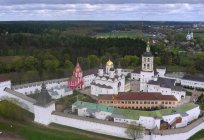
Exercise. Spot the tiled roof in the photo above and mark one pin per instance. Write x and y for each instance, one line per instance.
(147, 54)
(138, 96)
(193, 78)
(3, 79)
(90, 71)
(137, 70)
(44, 97)
(163, 82)
(135, 114)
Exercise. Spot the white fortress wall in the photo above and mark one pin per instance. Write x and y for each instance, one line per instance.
(30, 88)
(20, 99)
(180, 133)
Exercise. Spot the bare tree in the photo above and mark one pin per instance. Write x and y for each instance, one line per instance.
(135, 131)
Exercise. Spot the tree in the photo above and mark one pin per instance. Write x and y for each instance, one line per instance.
(130, 60)
(93, 61)
(18, 63)
(157, 61)
(69, 64)
(51, 65)
(135, 131)
(31, 63)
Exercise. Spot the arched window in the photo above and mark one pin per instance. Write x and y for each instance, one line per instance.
(148, 66)
(148, 59)
(119, 85)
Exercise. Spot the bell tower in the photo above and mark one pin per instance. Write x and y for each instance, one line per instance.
(147, 60)
(147, 72)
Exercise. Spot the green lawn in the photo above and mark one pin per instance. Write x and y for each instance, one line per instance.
(22, 125)
(198, 135)
(175, 68)
(31, 132)
(67, 101)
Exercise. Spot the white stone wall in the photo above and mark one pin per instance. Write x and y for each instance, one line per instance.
(145, 77)
(19, 101)
(193, 113)
(43, 114)
(193, 84)
(180, 136)
(161, 72)
(102, 115)
(135, 76)
(147, 122)
(61, 93)
(90, 126)
(88, 79)
(30, 88)
(3, 85)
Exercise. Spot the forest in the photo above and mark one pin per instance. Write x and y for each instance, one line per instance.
(32, 51)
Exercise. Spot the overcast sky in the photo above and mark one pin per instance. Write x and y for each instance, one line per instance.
(165, 10)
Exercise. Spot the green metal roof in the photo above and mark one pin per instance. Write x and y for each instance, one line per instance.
(135, 114)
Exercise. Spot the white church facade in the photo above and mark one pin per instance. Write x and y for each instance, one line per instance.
(108, 80)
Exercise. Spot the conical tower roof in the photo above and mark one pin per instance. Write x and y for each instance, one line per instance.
(44, 97)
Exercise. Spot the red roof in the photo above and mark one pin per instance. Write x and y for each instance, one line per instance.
(136, 70)
(137, 96)
(77, 69)
(3, 79)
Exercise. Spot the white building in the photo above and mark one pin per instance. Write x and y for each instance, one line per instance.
(147, 72)
(108, 81)
(155, 80)
(148, 119)
(166, 87)
(192, 82)
(189, 36)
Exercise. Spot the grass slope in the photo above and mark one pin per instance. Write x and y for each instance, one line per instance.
(31, 132)
(20, 120)
(198, 135)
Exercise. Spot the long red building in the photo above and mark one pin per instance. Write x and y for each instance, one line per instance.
(76, 81)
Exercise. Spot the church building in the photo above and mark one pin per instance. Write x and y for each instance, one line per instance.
(108, 80)
(76, 81)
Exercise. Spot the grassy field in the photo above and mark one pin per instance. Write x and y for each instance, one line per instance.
(199, 135)
(120, 34)
(8, 59)
(13, 120)
(34, 132)
(176, 68)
